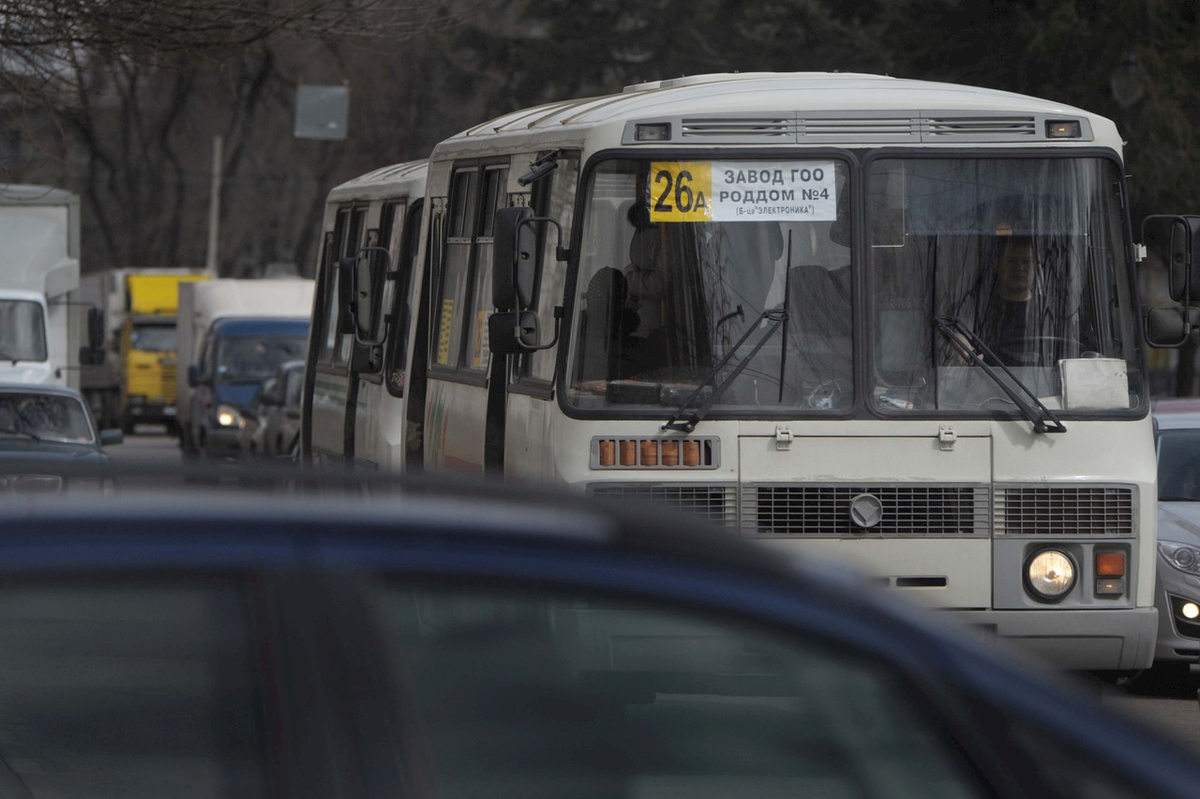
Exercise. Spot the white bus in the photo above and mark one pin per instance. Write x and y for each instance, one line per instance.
(354, 377)
(889, 321)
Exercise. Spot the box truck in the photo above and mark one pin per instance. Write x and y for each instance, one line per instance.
(46, 333)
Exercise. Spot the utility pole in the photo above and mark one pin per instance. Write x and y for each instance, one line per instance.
(214, 209)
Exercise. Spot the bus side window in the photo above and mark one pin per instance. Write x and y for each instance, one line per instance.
(401, 304)
(456, 259)
(336, 343)
(491, 198)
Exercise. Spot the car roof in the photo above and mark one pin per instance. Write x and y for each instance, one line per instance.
(39, 388)
(310, 503)
(247, 326)
(1177, 420)
(530, 536)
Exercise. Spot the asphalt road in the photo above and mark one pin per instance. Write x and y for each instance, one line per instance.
(1175, 715)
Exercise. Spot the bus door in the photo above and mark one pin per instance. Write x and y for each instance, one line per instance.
(456, 427)
(531, 407)
(333, 344)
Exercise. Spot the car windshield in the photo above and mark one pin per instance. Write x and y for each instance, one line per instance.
(1179, 465)
(154, 338)
(257, 357)
(44, 416)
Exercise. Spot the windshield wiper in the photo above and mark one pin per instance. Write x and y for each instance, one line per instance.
(1042, 418)
(777, 316)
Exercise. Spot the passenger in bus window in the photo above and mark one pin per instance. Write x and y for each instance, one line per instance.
(1008, 328)
(607, 325)
(1007, 323)
(646, 289)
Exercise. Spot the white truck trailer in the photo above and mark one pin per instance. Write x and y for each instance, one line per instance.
(201, 304)
(45, 332)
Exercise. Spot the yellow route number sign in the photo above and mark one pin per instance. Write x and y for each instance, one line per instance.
(733, 191)
(680, 191)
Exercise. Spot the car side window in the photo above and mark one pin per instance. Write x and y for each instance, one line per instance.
(129, 686)
(519, 693)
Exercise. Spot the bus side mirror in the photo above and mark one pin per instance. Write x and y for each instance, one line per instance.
(91, 356)
(513, 250)
(367, 274)
(95, 327)
(1173, 243)
(91, 353)
(1171, 327)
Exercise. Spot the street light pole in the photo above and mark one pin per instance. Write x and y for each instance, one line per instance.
(214, 209)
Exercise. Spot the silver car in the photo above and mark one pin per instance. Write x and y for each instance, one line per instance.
(1177, 594)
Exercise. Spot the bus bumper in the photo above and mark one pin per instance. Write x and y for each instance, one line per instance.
(1076, 640)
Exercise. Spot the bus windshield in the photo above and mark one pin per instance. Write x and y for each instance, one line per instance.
(666, 307)
(1024, 253)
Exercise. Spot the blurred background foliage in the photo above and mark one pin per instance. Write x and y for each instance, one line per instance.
(122, 105)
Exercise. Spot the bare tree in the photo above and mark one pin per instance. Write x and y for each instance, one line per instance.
(141, 28)
(121, 100)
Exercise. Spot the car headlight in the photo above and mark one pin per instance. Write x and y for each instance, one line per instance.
(1181, 556)
(30, 483)
(228, 416)
(1050, 574)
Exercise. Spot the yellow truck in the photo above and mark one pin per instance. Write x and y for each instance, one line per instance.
(147, 350)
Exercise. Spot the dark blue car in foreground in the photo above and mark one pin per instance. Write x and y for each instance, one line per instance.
(442, 640)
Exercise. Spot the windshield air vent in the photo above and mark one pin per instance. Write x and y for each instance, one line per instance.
(1008, 127)
(859, 128)
(765, 127)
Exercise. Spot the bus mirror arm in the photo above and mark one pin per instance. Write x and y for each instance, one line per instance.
(959, 335)
(558, 315)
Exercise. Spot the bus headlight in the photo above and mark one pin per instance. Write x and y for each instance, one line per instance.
(1050, 574)
(229, 417)
(1181, 556)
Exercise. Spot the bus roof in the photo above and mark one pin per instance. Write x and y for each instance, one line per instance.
(409, 176)
(780, 108)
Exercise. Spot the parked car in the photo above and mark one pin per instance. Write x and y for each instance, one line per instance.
(43, 426)
(1177, 594)
(457, 640)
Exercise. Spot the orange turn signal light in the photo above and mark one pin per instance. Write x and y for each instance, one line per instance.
(1110, 564)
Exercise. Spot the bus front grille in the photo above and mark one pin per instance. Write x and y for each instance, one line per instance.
(899, 510)
(1104, 510)
(714, 503)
